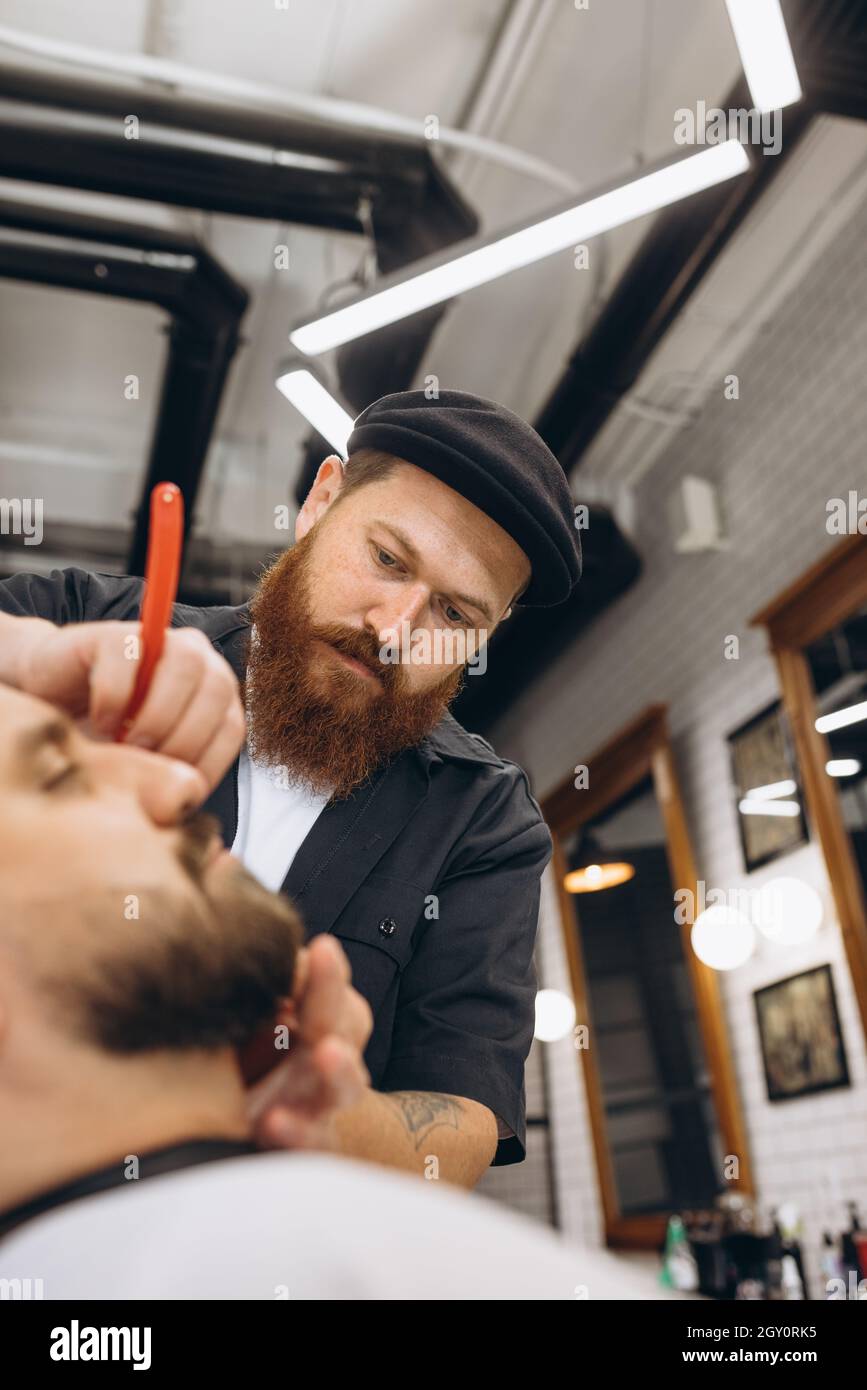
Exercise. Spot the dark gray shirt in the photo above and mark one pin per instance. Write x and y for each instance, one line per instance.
(428, 874)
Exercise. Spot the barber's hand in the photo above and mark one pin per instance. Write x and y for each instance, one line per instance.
(192, 710)
(329, 1024)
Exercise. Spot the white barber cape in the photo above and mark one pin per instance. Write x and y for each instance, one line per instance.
(303, 1226)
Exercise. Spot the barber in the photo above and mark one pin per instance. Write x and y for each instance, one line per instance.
(355, 792)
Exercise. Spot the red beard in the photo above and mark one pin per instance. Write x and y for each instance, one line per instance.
(317, 720)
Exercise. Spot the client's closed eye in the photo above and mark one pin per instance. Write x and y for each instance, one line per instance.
(72, 777)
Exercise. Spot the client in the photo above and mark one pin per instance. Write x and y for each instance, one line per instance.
(136, 956)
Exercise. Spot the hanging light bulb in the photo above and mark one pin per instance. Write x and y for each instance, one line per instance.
(787, 911)
(722, 937)
(555, 1015)
(592, 869)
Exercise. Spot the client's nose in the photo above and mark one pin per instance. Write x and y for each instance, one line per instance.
(167, 789)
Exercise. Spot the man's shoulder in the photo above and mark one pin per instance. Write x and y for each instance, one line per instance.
(452, 742)
(217, 622)
(77, 595)
(120, 596)
(505, 780)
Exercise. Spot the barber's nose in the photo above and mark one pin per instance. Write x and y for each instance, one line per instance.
(404, 606)
(167, 789)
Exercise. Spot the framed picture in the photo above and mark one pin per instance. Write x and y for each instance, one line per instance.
(768, 799)
(799, 1027)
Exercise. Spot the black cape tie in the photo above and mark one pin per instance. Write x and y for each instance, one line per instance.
(151, 1165)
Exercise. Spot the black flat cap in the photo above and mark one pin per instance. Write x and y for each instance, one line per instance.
(498, 462)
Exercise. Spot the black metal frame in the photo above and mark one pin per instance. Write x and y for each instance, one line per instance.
(47, 247)
(70, 131)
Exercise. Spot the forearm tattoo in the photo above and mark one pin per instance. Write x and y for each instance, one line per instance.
(423, 1111)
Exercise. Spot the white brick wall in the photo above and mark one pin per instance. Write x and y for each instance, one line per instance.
(797, 436)
(527, 1186)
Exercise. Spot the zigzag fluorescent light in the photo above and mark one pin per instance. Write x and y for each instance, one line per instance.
(766, 55)
(440, 279)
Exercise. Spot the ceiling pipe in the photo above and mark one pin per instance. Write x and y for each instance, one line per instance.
(180, 77)
(109, 137)
(47, 246)
(71, 131)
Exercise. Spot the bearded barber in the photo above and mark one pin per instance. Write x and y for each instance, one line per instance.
(356, 793)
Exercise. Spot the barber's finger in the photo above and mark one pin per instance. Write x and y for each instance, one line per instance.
(224, 747)
(320, 1005)
(279, 1087)
(335, 1077)
(348, 1017)
(175, 680)
(358, 1024)
(318, 1080)
(343, 1075)
(334, 1081)
(115, 655)
(284, 1129)
(215, 703)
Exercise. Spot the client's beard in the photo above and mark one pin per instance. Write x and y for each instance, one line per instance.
(321, 726)
(203, 969)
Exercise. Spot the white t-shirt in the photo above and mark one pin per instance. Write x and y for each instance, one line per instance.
(303, 1226)
(273, 820)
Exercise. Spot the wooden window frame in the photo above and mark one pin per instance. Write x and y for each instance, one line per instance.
(643, 749)
(821, 599)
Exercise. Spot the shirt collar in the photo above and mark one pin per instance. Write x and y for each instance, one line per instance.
(450, 741)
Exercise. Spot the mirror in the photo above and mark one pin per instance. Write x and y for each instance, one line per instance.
(659, 1117)
(667, 1130)
(817, 629)
(838, 666)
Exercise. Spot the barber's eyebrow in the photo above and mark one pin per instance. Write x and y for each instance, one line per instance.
(413, 554)
(54, 730)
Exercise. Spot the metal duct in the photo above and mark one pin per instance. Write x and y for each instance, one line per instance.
(69, 251)
(73, 131)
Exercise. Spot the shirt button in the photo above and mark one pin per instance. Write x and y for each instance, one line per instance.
(387, 926)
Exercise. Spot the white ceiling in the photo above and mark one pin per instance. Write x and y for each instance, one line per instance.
(592, 92)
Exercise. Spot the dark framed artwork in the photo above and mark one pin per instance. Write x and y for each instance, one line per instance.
(762, 755)
(799, 1028)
